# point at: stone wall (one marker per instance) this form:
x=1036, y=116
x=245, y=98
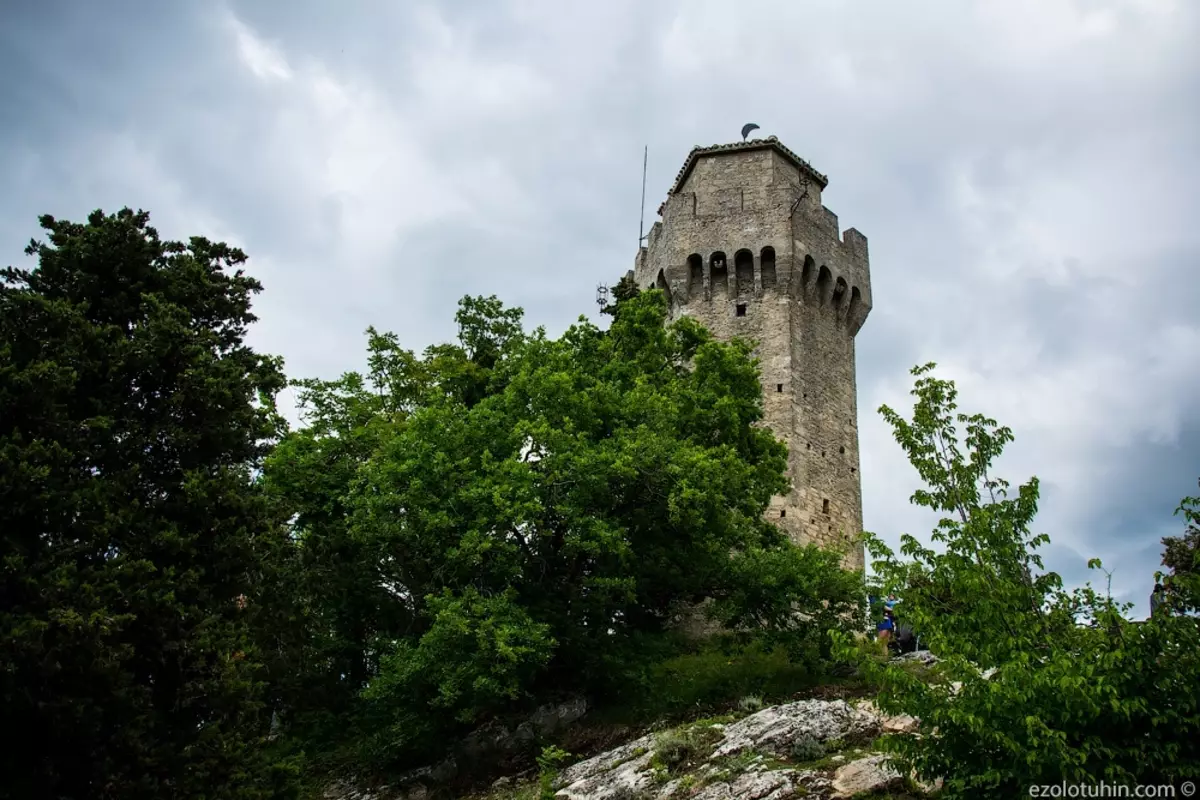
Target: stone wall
x=746, y=247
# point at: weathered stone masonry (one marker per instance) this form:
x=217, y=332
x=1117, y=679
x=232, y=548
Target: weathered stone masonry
x=746, y=247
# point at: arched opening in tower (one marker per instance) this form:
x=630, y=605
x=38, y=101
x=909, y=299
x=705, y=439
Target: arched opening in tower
x=806, y=276
x=695, y=276
x=718, y=275
x=661, y=283
x=766, y=260
x=854, y=310
x=743, y=264
x=824, y=285
x=839, y=294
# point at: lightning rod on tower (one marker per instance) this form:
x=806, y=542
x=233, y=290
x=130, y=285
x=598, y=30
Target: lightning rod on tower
x=642, y=220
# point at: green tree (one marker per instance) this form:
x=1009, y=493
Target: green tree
x=529, y=511
x=333, y=596
x=1041, y=685
x=1181, y=555
x=133, y=534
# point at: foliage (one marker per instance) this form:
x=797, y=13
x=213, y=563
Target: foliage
x=750, y=703
x=676, y=749
x=512, y=517
x=708, y=676
x=1041, y=685
x=134, y=535
x=1181, y=555
x=806, y=748
x=198, y=602
x=550, y=762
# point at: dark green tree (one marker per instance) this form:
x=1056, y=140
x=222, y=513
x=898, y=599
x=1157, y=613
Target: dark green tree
x=132, y=417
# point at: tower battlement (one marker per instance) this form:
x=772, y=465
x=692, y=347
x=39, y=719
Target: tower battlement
x=745, y=245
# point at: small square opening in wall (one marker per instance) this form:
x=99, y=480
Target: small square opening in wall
x=779, y=388
x=825, y=506
x=782, y=513
x=741, y=309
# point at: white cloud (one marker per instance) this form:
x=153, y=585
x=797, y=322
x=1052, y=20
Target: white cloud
x=451, y=76
x=261, y=58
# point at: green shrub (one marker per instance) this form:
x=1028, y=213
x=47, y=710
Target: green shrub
x=806, y=748
x=711, y=676
x=750, y=703
x=678, y=748
x=550, y=762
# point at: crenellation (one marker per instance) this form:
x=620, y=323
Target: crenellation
x=829, y=224
x=746, y=247
x=856, y=243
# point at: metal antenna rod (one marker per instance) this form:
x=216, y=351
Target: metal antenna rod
x=642, y=220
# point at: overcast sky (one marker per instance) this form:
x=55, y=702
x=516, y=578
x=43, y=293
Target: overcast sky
x=1026, y=171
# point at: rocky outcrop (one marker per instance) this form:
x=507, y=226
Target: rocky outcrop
x=774, y=729
x=621, y=773
x=748, y=759
x=809, y=748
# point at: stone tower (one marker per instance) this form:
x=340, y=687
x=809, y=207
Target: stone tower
x=745, y=246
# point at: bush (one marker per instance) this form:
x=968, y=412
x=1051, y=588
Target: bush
x=710, y=676
x=750, y=703
x=806, y=748
x=678, y=748
x=550, y=762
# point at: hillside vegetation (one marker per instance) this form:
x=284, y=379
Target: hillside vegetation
x=198, y=602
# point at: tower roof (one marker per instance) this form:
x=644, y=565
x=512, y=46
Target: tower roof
x=769, y=143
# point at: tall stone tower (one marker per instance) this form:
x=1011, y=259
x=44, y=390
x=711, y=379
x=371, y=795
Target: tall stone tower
x=745, y=246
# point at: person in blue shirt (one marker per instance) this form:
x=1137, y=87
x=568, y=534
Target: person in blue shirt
x=886, y=626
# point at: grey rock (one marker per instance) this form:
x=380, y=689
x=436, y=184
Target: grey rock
x=773, y=729
x=609, y=775
x=900, y=723
x=868, y=774
x=625, y=771
x=923, y=656
x=774, y=784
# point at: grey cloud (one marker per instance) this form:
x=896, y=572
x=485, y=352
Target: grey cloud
x=1026, y=173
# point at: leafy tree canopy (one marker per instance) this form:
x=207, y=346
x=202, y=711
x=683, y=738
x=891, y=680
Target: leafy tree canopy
x=1041, y=685
x=512, y=515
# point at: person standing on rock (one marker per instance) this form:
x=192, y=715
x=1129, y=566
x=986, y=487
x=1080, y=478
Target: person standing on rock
x=885, y=628
x=1158, y=599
